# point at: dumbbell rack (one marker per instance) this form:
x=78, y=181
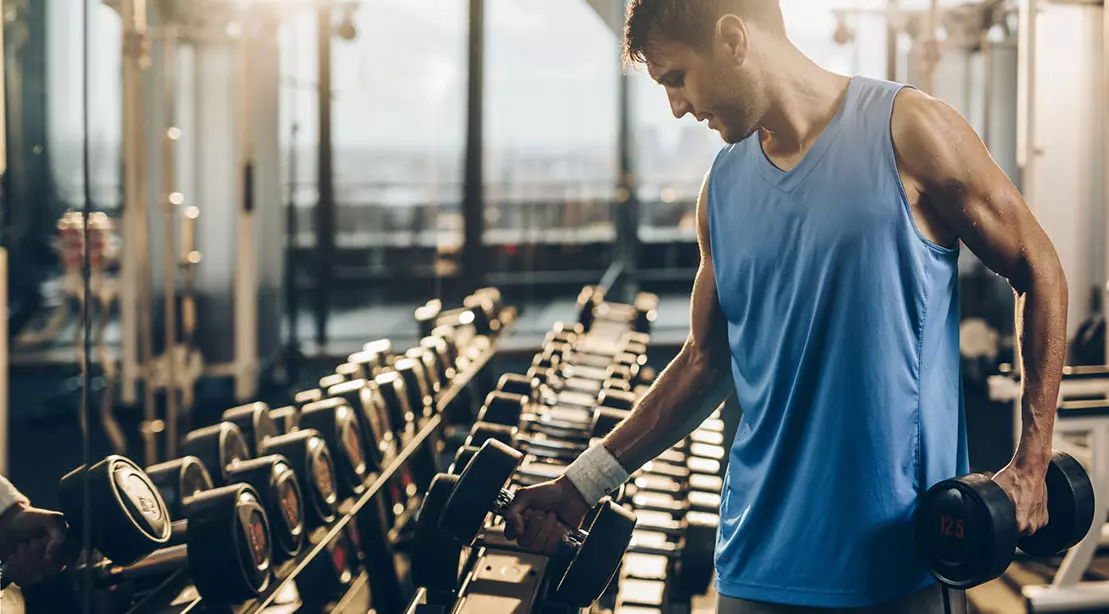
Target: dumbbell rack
x=322, y=540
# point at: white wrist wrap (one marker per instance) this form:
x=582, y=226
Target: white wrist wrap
x=595, y=474
x=9, y=495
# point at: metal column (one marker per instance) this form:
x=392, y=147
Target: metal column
x=473, y=248
x=325, y=208
x=627, y=205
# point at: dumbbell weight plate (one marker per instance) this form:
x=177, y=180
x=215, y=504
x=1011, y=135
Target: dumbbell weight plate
x=476, y=491
x=178, y=480
x=217, y=446
x=285, y=419
x=338, y=425
x=281, y=497
x=695, y=564
x=350, y=370
x=645, y=566
x=130, y=518
x=598, y=557
x=331, y=380
x=310, y=460
x=706, y=483
x=435, y=556
x=481, y=432
x=229, y=548
x=305, y=397
x=502, y=407
x=420, y=398
x=707, y=436
x=358, y=395
x=393, y=391
x=704, y=450
x=605, y=419
x=431, y=373
x=1070, y=509
x=254, y=422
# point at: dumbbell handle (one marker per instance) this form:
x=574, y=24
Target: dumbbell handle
x=572, y=537
x=156, y=563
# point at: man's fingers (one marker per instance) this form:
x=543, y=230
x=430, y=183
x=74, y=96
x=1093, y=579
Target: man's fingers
x=532, y=527
x=514, y=515
x=549, y=535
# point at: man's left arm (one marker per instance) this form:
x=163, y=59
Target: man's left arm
x=942, y=158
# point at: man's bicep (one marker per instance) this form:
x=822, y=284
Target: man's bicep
x=706, y=317
x=965, y=187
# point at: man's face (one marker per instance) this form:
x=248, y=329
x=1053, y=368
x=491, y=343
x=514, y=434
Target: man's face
x=709, y=85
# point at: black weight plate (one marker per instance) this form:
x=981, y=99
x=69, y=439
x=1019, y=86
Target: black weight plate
x=285, y=419
x=229, y=547
x=393, y=392
x=1070, y=508
x=254, y=422
x=305, y=397
x=420, y=399
x=380, y=431
x=704, y=501
x=350, y=370
x=481, y=432
x=502, y=408
x=605, y=419
x=706, y=483
x=616, y=383
x=705, y=450
x=435, y=556
x=966, y=530
x=706, y=436
x=430, y=370
x=515, y=383
x=370, y=362
x=707, y=466
x=130, y=519
x=461, y=459
x=280, y=494
x=337, y=424
x=657, y=483
x=328, y=381
x=178, y=480
x=478, y=487
x=311, y=462
x=217, y=446
x=598, y=557
x=616, y=399
x=357, y=395
x=696, y=562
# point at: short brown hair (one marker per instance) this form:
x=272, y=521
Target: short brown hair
x=690, y=21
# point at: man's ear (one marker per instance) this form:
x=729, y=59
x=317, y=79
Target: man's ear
x=732, y=37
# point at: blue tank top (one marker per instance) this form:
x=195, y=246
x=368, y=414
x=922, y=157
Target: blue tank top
x=843, y=324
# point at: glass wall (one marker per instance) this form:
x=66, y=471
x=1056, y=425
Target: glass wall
x=550, y=141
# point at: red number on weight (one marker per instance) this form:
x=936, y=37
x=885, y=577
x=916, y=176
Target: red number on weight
x=949, y=526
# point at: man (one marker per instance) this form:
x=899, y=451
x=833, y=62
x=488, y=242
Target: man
x=826, y=300
x=30, y=538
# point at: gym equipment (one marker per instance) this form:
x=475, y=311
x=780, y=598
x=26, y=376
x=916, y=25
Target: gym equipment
x=421, y=399
x=569, y=424
x=285, y=419
x=435, y=555
x=281, y=496
x=217, y=446
x=594, y=554
x=227, y=547
x=305, y=397
x=254, y=421
x=395, y=394
x=337, y=423
x=966, y=527
x=377, y=438
x=310, y=460
x=692, y=554
x=178, y=480
x=431, y=372
x=537, y=445
x=328, y=381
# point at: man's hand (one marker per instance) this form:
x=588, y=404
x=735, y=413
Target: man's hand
x=532, y=517
x=1027, y=489
x=31, y=540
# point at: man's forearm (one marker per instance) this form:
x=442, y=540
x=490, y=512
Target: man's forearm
x=1042, y=333
x=682, y=397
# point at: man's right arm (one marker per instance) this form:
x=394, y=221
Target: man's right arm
x=694, y=384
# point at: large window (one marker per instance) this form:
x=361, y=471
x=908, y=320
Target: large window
x=550, y=133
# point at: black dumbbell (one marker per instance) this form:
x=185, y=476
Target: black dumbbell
x=692, y=553
x=566, y=423
x=966, y=527
x=227, y=549
x=427, y=316
x=338, y=424
x=435, y=555
x=591, y=556
x=179, y=480
x=444, y=362
x=217, y=446
x=285, y=419
x=308, y=456
x=536, y=445
x=377, y=438
x=421, y=398
x=328, y=381
x=432, y=376
x=305, y=397
x=255, y=422
x=395, y=394
x=350, y=370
